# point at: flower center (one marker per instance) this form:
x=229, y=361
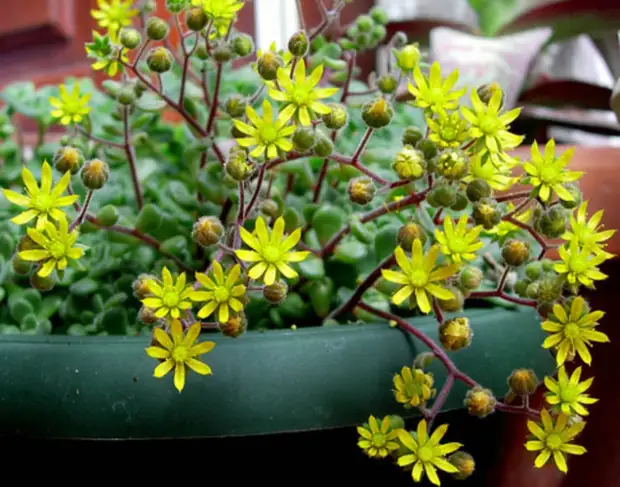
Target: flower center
x=412, y=389
x=436, y=95
x=379, y=440
x=488, y=125
x=457, y=245
x=170, y=299
x=554, y=442
x=271, y=253
x=269, y=134
x=548, y=174
x=448, y=133
x=578, y=265
x=221, y=294
x=43, y=202
x=571, y=330
x=569, y=395
x=180, y=354
x=419, y=278
x=425, y=454
x=57, y=250
x=300, y=96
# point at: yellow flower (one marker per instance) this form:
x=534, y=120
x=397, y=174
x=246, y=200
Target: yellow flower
x=221, y=294
x=111, y=64
x=169, y=298
x=221, y=12
x=580, y=265
x=553, y=439
x=271, y=253
x=548, y=173
x=302, y=93
x=413, y=387
x=377, y=440
x=57, y=247
x=419, y=275
x=568, y=394
x=433, y=92
x=42, y=203
x=447, y=130
x=498, y=175
x=573, y=332
x=114, y=15
x=459, y=243
x=70, y=108
x=587, y=233
x=489, y=127
x=267, y=134
x=178, y=352
x=427, y=454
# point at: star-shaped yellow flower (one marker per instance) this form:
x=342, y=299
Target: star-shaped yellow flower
x=70, y=108
x=588, y=234
x=114, y=14
x=580, y=266
x=568, y=394
x=459, y=243
x=433, y=92
x=222, y=292
x=170, y=297
x=377, y=440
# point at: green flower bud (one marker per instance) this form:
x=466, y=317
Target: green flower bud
x=235, y=106
x=95, y=174
x=337, y=118
x=408, y=57
x=378, y=33
x=516, y=252
x=470, y=278
x=130, y=38
x=176, y=6
x=452, y=164
x=480, y=402
x=533, y=270
x=275, y=293
x=270, y=208
x=396, y=422
x=147, y=316
x=298, y=44
x=159, y=60
x=532, y=290
x=486, y=91
x=207, y=231
x=423, y=360
x=149, y=6
x=550, y=289
x=409, y=163
x=242, y=45
x=387, y=84
x=547, y=265
x=377, y=113
x=552, y=222
x=521, y=287
x=478, y=189
x=42, y=284
x=442, y=195
x=201, y=52
x=464, y=463
x=408, y=233
x=361, y=190
x=140, y=286
x=399, y=39
x=303, y=138
x=107, y=216
x=428, y=148
x=139, y=88
x=523, y=382
x=127, y=94
x=461, y=201
x=486, y=213
x=222, y=53
x=157, y=29
x=412, y=135
x=352, y=31
x=20, y=266
x=237, y=165
x=26, y=243
x=196, y=19
x=68, y=159
x=575, y=192
x=455, y=334
x=268, y=64
x=364, y=23
x=379, y=15
x=323, y=147
x=454, y=304
x=235, y=326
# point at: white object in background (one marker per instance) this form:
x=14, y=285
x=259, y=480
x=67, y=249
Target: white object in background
x=275, y=21
x=457, y=11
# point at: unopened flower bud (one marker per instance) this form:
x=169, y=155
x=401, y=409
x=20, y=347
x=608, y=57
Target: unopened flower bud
x=140, y=286
x=533, y=270
x=552, y=222
x=147, y=316
x=337, y=117
x=471, y=277
x=275, y=293
x=408, y=233
x=464, y=463
x=207, y=231
x=396, y=422
x=26, y=243
x=452, y=164
x=107, y=215
x=126, y=95
x=409, y=163
x=453, y=304
x=270, y=208
x=323, y=147
x=408, y=57
x=521, y=287
x=201, y=52
x=20, y=266
x=480, y=402
x=412, y=135
x=130, y=38
x=478, y=189
x=157, y=29
x=442, y=195
x=237, y=165
x=268, y=64
x=486, y=91
x=515, y=252
x=95, y=174
x=455, y=334
x=523, y=382
x=235, y=106
x=428, y=148
x=303, y=138
x=298, y=44
x=242, y=45
x=196, y=19
x=364, y=23
x=575, y=192
x=387, y=84
x=423, y=360
x=159, y=60
x=361, y=190
x=222, y=53
x=460, y=202
x=378, y=33
x=532, y=290
x=486, y=213
x=379, y=15
x=42, y=284
x=550, y=288
x=377, y=113
x=547, y=265
x=235, y=326
x=68, y=159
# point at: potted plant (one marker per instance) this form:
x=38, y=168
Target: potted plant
x=300, y=252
